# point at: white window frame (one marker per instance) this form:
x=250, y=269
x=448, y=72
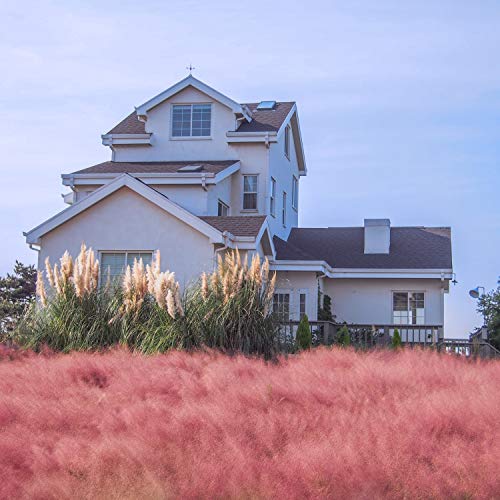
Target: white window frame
x=305, y=292
x=190, y=137
x=272, y=198
x=256, y=193
x=283, y=209
x=408, y=292
x=290, y=299
x=225, y=206
x=287, y=142
x=102, y=272
x=295, y=193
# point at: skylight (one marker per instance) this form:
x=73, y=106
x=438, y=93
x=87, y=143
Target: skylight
x=266, y=105
x=190, y=168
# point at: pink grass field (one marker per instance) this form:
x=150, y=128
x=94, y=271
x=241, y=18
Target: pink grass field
x=324, y=424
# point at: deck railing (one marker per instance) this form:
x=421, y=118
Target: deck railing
x=368, y=336
x=362, y=335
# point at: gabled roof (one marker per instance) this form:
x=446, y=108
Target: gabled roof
x=262, y=120
x=238, y=225
x=129, y=125
x=160, y=167
x=124, y=180
x=343, y=247
x=191, y=81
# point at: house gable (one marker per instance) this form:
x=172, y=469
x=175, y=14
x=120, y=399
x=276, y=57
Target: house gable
x=127, y=221
x=125, y=180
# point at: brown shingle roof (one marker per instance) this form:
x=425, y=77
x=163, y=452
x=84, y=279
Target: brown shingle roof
x=238, y=225
x=266, y=120
x=129, y=125
x=263, y=120
x=160, y=167
x=343, y=247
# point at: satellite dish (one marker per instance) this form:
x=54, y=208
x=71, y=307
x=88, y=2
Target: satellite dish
x=474, y=293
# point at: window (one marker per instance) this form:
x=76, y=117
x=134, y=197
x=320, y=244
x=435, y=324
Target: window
x=287, y=141
x=302, y=305
x=408, y=308
x=191, y=120
x=281, y=306
x=249, y=192
x=273, y=197
x=222, y=209
x=283, y=210
x=115, y=263
x=295, y=192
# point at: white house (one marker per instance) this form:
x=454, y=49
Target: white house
x=194, y=173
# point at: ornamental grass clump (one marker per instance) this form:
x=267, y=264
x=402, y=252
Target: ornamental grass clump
x=145, y=311
x=71, y=312
x=231, y=309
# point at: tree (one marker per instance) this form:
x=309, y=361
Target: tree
x=489, y=307
x=344, y=337
x=17, y=291
x=396, y=339
x=304, y=338
x=325, y=309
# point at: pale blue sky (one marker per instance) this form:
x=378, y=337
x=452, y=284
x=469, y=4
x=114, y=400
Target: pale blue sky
x=399, y=105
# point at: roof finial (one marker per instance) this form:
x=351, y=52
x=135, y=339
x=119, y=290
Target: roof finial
x=190, y=68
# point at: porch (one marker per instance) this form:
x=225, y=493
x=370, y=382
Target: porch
x=370, y=336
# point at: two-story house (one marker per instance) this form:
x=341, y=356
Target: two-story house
x=194, y=173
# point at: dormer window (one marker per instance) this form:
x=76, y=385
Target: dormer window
x=191, y=120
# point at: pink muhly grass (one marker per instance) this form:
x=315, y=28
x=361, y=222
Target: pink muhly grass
x=326, y=423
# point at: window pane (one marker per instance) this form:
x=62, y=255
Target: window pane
x=112, y=265
x=250, y=201
x=400, y=301
x=222, y=209
x=145, y=256
x=283, y=211
x=202, y=117
x=181, y=121
x=302, y=304
x=281, y=306
x=250, y=183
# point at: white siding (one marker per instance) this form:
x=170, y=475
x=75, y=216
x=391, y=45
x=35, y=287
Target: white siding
x=254, y=160
x=283, y=170
x=296, y=282
x=191, y=197
x=126, y=221
x=369, y=301
x=166, y=149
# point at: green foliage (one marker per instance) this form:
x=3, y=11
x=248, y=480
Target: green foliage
x=489, y=307
x=324, y=307
x=396, y=339
x=17, y=291
x=304, y=338
x=344, y=336
x=230, y=314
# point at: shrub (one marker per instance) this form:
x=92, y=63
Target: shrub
x=344, y=336
x=229, y=310
x=396, y=339
x=303, y=338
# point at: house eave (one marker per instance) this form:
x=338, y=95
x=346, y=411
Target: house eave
x=195, y=178
x=126, y=139
x=356, y=273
